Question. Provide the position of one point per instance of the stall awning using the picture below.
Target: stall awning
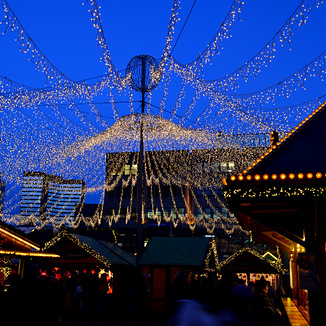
(176, 251)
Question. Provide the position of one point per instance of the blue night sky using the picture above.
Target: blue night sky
(63, 31)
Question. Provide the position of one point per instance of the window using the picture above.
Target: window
(134, 169)
(207, 212)
(230, 166)
(215, 167)
(207, 167)
(179, 212)
(199, 167)
(127, 169)
(224, 166)
(166, 213)
(199, 213)
(150, 214)
(207, 191)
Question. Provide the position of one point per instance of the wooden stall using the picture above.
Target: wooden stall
(164, 257)
(15, 249)
(282, 197)
(85, 255)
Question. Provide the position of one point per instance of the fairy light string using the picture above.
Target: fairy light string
(44, 129)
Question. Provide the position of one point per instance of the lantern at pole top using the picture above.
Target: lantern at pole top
(144, 73)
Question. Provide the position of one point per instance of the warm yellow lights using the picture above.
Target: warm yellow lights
(28, 254)
(98, 137)
(19, 239)
(282, 176)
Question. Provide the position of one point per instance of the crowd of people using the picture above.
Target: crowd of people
(43, 299)
(190, 300)
(225, 301)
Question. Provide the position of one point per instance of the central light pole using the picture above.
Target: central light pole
(144, 76)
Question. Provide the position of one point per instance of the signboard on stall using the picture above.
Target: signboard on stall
(280, 240)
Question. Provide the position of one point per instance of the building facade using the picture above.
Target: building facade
(49, 200)
(180, 186)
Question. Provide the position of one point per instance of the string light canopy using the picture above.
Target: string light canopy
(64, 127)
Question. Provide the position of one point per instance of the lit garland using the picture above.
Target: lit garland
(212, 251)
(276, 192)
(167, 48)
(263, 57)
(115, 77)
(277, 264)
(27, 45)
(45, 129)
(81, 244)
(215, 45)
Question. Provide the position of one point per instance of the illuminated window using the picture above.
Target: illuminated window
(224, 166)
(127, 169)
(150, 214)
(230, 166)
(134, 169)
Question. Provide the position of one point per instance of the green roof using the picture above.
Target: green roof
(110, 251)
(177, 251)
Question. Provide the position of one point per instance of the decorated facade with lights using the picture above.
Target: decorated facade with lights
(181, 186)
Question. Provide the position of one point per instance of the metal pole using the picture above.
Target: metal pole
(141, 179)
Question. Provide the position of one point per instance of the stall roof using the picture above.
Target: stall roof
(108, 253)
(178, 251)
(248, 260)
(15, 236)
(301, 151)
(278, 189)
